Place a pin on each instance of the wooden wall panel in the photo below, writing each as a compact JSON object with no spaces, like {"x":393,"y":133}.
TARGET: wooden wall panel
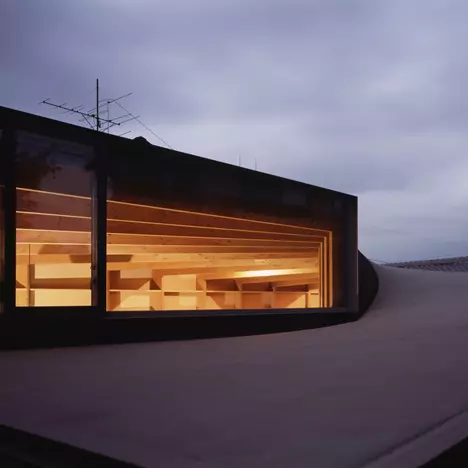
{"x":313,"y":300}
{"x":22,"y":298}
{"x":223,"y":300}
{"x":288,"y":300}
{"x":62,"y":270}
{"x":260,"y":300}
{"x":60,"y":298}
{"x":179,"y":283}
{"x":134,"y":300}
{"x":180,"y":301}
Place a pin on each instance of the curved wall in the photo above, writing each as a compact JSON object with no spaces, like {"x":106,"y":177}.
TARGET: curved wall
{"x":368,"y":283}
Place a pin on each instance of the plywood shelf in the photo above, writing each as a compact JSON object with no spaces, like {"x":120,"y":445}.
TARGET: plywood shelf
{"x":53,"y":289}
{"x":152,"y":291}
{"x":136,"y":291}
{"x":198,"y":291}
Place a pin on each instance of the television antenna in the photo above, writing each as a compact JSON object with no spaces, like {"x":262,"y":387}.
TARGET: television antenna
{"x":93,"y":116}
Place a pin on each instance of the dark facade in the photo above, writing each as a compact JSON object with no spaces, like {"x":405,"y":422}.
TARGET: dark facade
{"x":99,"y":226}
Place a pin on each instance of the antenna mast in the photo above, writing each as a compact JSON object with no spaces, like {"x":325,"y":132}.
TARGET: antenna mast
{"x":93,"y":114}
{"x":98,"y":124}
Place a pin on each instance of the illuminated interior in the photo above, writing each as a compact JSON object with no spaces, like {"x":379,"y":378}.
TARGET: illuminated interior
{"x":162,"y":259}
{"x":158,"y":258}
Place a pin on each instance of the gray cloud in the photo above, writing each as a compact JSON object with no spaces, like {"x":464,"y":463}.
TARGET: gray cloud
{"x":365,"y":97}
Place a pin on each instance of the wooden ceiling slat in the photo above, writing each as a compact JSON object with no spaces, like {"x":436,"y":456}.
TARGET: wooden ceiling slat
{"x":226,"y":252}
{"x":218,"y":271}
{"x":295,"y":282}
{"x":38,"y":202}
{"x":312,"y":277}
{"x":50,"y":203}
{"x":69,"y":223}
{"x":120,"y":211}
{"x":167,"y":240}
{"x":52,"y":223}
{"x":164,"y":257}
{"x":267,"y":277}
{"x":34,"y":236}
{"x":181,"y":263}
{"x":183,"y":231}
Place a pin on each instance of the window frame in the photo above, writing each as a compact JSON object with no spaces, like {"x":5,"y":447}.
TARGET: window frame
{"x":98,"y":235}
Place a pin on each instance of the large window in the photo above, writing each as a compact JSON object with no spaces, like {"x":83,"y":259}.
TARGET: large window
{"x":53,"y":222}
{"x":182,"y":236}
{"x":175,"y":232}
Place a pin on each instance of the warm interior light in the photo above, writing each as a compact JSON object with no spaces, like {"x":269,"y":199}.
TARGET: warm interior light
{"x":266,"y":273}
{"x":166,"y":259}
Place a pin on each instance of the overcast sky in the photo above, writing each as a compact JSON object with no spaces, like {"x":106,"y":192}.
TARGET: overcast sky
{"x":366,"y":97}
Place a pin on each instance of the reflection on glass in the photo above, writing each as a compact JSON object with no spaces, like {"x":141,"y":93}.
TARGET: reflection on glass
{"x":53,"y":222}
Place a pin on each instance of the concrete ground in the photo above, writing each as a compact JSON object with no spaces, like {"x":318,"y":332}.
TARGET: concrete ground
{"x":388,"y":391}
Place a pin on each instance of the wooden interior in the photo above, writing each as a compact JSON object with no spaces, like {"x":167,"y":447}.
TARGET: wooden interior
{"x":166,"y":259}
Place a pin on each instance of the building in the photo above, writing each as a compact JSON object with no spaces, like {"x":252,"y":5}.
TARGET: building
{"x":454,"y":264}
{"x":99,"y":226}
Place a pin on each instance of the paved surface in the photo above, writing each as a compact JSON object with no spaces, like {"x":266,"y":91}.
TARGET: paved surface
{"x":389,"y":390}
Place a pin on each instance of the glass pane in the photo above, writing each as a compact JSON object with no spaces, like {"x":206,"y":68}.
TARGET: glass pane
{"x":184,"y":233}
{"x":53,"y":222}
